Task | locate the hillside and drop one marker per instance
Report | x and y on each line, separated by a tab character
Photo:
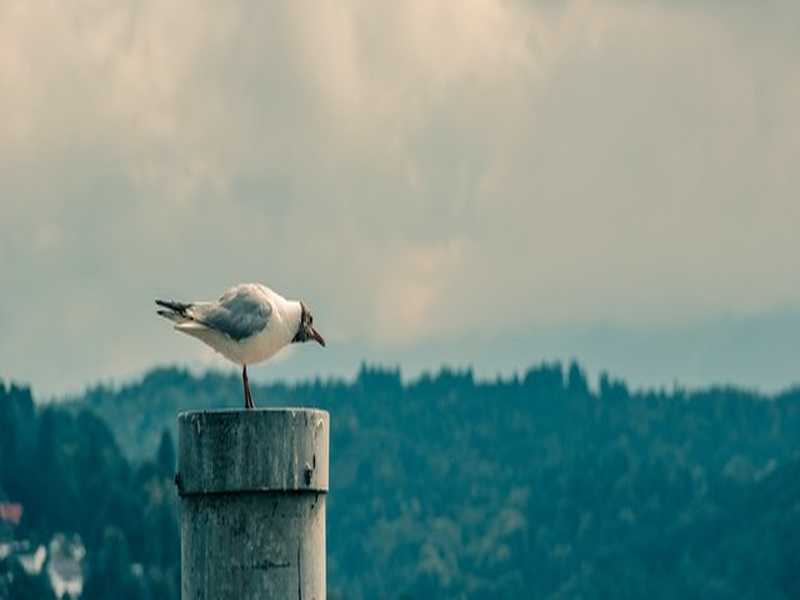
447	487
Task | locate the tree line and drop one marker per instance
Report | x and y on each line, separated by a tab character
536	485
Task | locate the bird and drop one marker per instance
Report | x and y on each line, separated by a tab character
249	324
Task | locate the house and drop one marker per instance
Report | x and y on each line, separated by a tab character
65	569
33	562
11	512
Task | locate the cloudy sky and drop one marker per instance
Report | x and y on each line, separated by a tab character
476	182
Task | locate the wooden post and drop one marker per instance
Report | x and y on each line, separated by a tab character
252	485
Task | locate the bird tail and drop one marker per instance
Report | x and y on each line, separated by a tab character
175	311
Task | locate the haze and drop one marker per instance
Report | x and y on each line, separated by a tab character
485	183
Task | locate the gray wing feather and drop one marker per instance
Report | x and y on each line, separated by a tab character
240	313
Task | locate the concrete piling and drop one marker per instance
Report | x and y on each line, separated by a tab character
252	486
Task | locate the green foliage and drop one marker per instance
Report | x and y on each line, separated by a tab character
70	476
165	458
16	584
448	487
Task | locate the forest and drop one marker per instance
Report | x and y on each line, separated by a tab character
540	485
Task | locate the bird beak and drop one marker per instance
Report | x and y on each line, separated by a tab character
315	334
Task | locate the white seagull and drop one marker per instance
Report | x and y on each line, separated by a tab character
247	325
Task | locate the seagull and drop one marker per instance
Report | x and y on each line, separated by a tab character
248	324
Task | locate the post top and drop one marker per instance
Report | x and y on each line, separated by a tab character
252	411
255	450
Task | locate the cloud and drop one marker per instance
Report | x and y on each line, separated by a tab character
413	170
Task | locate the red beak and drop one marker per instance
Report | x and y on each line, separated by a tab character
315	334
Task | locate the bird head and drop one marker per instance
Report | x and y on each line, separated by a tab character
306	331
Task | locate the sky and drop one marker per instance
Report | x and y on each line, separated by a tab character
485	183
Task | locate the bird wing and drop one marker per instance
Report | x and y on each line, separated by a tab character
241	312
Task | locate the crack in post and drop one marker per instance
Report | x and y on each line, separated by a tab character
299	586
264	565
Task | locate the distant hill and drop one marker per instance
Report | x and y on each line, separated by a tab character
536	486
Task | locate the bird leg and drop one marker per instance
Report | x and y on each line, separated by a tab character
248	398
244	386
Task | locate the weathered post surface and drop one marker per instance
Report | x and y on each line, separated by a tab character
252	485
